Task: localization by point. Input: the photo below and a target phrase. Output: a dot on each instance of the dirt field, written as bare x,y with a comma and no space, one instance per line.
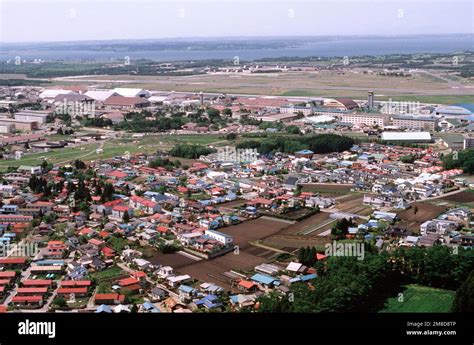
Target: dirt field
317,219
248,256
232,204
333,190
425,212
462,197
292,244
174,260
254,230
212,270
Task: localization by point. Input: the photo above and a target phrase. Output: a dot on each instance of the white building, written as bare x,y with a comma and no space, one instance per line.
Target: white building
7,127
219,236
129,92
100,95
407,136
365,119
32,115
53,93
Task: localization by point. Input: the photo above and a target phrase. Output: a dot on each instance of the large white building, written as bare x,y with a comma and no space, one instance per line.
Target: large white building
32,115
129,92
408,137
364,119
296,109
100,95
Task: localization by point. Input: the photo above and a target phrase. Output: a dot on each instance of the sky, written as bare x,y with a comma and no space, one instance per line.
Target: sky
72,20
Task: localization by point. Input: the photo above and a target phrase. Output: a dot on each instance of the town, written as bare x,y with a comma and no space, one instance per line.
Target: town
134,200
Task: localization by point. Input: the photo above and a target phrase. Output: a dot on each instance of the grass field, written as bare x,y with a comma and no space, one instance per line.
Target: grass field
420,299
116,147
109,273
53,156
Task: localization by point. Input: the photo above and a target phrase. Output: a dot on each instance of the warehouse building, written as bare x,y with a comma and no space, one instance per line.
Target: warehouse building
406,137
39,116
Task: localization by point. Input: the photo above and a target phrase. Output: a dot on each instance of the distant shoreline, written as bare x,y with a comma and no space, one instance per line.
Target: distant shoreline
251,48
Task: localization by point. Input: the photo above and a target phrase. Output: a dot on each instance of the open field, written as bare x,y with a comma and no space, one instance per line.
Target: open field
212,270
420,299
303,84
115,147
253,230
292,244
425,212
315,220
175,260
462,198
54,156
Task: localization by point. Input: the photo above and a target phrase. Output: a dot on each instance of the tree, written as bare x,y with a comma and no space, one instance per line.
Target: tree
231,136
79,165
341,228
274,302
134,308
415,211
213,113
191,151
107,193
293,129
408,159
464,298
126,217
60,302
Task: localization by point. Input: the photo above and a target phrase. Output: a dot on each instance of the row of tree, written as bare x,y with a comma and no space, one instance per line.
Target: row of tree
323,143
190,151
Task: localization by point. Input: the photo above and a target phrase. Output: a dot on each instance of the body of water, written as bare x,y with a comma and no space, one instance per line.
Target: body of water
340,47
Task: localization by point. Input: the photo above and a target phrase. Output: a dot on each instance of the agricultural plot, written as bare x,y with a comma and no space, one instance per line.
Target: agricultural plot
464,197
326,190
426,211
